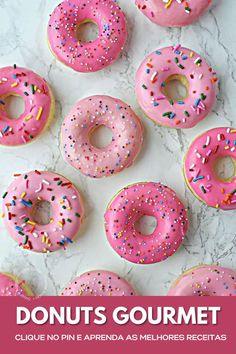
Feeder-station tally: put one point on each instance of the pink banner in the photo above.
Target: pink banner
(103, 324)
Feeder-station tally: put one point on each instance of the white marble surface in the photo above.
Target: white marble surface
(211, 237)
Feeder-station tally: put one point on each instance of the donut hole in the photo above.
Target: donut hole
(87, 31)
(225, 168)
(14, 106)
(42, 212)
(101, 137)
(146, 225)
(176, 88)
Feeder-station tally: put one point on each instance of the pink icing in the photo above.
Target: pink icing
(157, 68)
(175, 13)
(92, 112)
(205, 281)
(67, 211)
(9, 287)
(99, 283)
(87, 56)
(38, 102)
(129, 205)
(199, 168)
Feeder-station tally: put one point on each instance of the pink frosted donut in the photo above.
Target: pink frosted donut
(199, 168)
(99, 283)
(135, 201)
(205, 280)
(21, 199)
(173, 13)
(39, 105)
(87, 115)
(10, 285)
(87, 56)
(176, 63)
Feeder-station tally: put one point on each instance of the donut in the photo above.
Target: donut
(99, 283)
(10, 285)
(39, 105)
(89, 114)
(205, 280)
(135, 201)
(93, 55)
(173, 13)
(21, 200)
(199, 168)
(181, 64)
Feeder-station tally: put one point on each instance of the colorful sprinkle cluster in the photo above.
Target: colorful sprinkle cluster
(205, 281)
(184, 4)
(99, 283)
(38, 105)
(173, 13)
(167, 4)
(87, 115)
(128, 206)
(199, 167)
(87, 56)
(173, 62)
(9, 287)
(19, 202)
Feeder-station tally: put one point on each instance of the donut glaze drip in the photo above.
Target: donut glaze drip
(87, 56)
(167, 64)
(135, 201)
(90, 113)
(19, 202)
(38, 101)
(199, 168)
